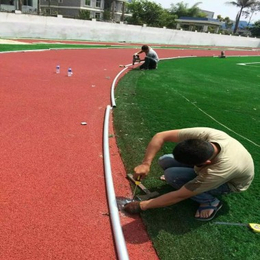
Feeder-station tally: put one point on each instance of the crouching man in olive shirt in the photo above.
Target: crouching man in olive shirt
(205, 162)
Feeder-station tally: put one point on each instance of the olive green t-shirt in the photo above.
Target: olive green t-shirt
(233, 165)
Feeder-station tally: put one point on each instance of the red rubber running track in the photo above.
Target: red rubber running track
(52, 194)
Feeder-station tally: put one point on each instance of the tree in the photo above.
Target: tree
(167, 19)
(145, 12)
(227, 21)
(182, 9)
(152, 14)
(242, 4)
(255, 29)
(109, 8)
(251, 11)
(84, 15)
(106, 15)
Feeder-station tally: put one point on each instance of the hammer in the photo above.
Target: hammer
(148, 195)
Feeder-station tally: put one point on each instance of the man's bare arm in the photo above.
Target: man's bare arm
(167, 199)
(139, 52)
(153, 147)
(157, 142)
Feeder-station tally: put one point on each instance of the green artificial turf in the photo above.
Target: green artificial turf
(192, 92)
(44, 46)
(39, 46)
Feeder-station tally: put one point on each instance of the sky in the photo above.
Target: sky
(219, 7)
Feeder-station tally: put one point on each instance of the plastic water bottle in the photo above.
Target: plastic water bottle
(69, 72)
(58, 69)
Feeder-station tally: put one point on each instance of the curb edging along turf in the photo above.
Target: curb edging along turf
(113, 102)
(113, 208)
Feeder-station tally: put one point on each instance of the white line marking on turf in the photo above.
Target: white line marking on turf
(217, 120)
(249, 64)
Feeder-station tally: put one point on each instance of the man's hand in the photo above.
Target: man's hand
(141, 170)
(133, 207)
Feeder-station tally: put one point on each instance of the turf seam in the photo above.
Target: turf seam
(214, 119)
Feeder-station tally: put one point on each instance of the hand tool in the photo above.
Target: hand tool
(136, 58)
(254, 226)
(137, 182)
(148, 195)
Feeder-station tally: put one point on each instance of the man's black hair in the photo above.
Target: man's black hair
(145, 48)
(193, 151)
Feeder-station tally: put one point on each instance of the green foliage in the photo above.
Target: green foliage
(227, 21)
(182, 9)
(255, 30)
(20, 47)
(152, 14)
(107, 15)
(84, 15)
(175, 96)
(145, 12)
(167, 19)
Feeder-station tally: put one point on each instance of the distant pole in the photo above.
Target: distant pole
(38, 7)
(123, 12)
(17, 4)
(113, 11)
(20, 2)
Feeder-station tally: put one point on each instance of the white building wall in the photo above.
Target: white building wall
(30, 26)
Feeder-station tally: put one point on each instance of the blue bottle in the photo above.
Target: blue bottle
(69, 72)
(58, 69)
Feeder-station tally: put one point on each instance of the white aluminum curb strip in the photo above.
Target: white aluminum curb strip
(113, 86)
(113, 208)
(113, 102)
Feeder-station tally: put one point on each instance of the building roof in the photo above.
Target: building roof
(241, 25)
(198, 19)
(244, 24)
